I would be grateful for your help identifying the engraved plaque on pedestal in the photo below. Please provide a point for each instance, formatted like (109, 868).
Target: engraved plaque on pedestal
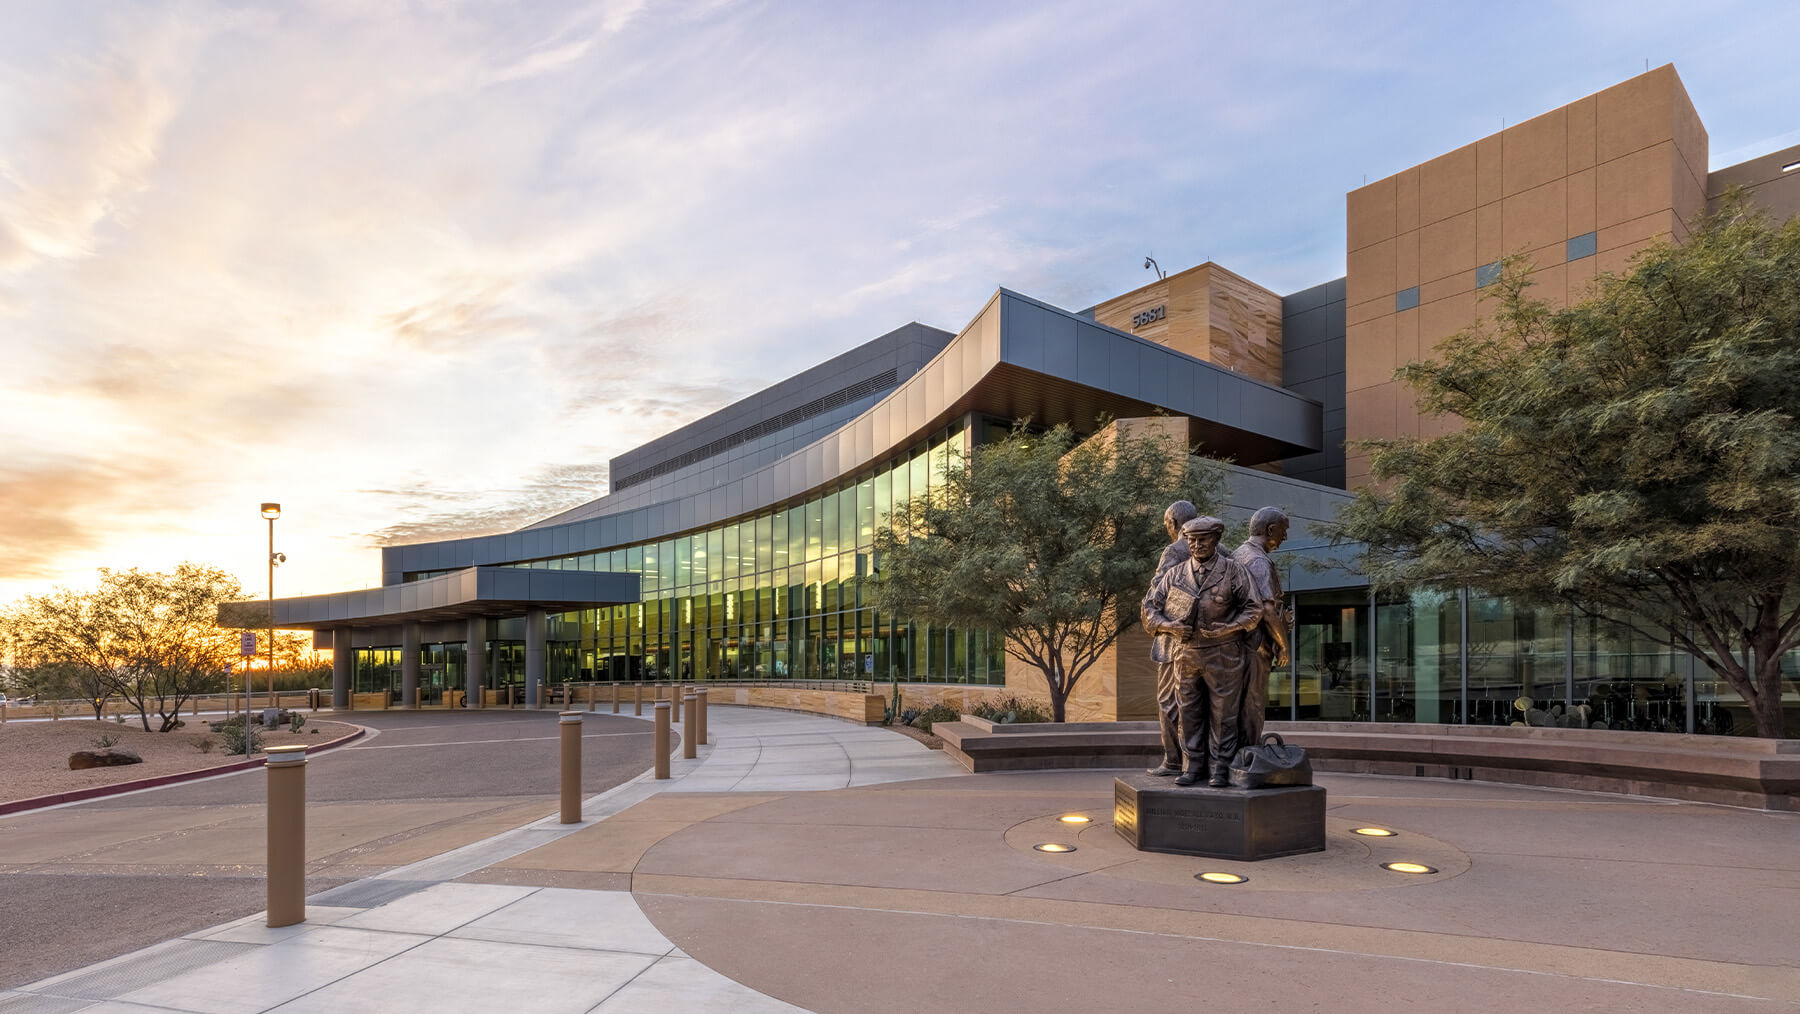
(1156, 815)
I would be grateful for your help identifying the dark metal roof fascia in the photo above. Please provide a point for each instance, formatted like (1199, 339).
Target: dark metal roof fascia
(469, 593)
(1016, 353)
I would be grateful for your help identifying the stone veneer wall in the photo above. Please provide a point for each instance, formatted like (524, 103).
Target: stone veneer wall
(1208, 313)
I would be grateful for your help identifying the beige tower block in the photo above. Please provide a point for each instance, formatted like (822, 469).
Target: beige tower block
(1617, 170)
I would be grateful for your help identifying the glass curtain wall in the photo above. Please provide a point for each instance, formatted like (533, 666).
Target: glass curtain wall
(1425, 670)
(781, 595)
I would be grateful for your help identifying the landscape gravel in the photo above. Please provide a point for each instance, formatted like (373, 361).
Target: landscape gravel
(34, 756)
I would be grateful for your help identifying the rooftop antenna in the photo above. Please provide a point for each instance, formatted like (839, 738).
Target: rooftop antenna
(1151, 265)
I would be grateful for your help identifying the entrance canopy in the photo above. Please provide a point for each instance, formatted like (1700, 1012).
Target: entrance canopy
(470, 593)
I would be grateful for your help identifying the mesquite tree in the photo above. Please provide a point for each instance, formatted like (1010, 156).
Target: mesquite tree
(1044, 537)
(1635, 455)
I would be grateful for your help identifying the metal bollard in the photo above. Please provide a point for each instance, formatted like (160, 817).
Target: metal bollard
(700, 726)
(661, 745)
(637, 699)
(570, 723)
(691, 705)
(286, 871)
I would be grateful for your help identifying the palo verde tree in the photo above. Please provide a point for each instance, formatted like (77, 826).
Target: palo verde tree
(149, 638)
(1044, 537)
(64, 642)
(1635, 456)
(175, 647)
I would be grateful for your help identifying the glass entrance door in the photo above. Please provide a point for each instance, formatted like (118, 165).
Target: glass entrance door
(431, 684)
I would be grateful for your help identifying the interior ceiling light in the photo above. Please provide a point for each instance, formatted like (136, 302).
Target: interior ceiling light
(1373, 832)
(1408, 867)
(1221, 878)
(1075, 818)
(1052, 846)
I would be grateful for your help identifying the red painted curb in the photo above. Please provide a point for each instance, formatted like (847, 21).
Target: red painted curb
(96, 791)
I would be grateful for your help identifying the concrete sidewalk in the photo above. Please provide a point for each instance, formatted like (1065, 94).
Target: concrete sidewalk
(803, 863)
(411, 939)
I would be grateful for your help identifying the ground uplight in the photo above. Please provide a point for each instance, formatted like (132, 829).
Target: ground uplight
(1221, 878)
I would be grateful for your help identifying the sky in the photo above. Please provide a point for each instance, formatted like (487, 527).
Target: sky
(418, 270)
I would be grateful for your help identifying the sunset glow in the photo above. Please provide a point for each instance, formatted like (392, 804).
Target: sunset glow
(418, 271)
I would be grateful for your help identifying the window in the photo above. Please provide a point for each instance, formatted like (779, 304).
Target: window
(1581, 246)
(1406, 299)
(1487, 274)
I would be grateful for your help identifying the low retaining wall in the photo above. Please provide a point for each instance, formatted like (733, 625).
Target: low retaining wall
(1759, 773)
(865, 709)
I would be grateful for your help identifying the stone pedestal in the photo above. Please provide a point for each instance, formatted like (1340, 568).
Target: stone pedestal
(1156, 815)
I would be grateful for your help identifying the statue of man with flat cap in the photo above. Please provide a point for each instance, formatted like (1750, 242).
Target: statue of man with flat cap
(1207, 606)
(1163, 648)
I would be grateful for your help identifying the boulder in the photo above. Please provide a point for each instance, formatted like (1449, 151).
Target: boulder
(102, 758)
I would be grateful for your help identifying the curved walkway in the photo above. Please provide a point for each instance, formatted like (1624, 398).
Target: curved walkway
(803, 863)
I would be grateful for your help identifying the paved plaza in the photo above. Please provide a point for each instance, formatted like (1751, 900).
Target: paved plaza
(802, 863)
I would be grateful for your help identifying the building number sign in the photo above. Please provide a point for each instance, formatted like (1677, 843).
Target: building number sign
(1149, 316)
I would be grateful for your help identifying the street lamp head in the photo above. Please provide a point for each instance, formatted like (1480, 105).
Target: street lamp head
(271, 511)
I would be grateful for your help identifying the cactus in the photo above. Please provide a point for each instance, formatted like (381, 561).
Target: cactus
(892, 711)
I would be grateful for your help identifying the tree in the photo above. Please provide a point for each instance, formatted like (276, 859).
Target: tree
(1045, 538)
(149, 638)
(1634, 456)
(64, 643)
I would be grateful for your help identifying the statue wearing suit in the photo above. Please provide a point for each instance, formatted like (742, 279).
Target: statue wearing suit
(1207, 606)
(1268, 642)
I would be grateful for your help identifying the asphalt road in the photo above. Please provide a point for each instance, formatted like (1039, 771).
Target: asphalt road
(82, 883)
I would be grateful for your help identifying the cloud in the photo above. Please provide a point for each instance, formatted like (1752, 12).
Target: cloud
(51, 512)
(423, 268)
(491, 511)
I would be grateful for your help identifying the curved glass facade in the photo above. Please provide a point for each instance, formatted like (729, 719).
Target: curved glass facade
(782, 594)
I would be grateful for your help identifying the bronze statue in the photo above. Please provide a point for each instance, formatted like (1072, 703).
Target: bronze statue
(1163, 647)
(1268, 641)
(1208, 607)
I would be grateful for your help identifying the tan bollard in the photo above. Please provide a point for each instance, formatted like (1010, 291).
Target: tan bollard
(590, 698)
(661, 745)
(675, 698)
(637, 699)
(614, 694)
(286, 871)
(570, 722)
(700, 726)
(691, 705)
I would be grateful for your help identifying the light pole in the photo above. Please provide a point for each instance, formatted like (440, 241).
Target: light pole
(270, 511)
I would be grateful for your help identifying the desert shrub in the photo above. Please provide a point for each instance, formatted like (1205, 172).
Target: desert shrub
(295, 721)
(1009, 709)
(232, 731)
(934, 714)
(105, 740)
(205, 744)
